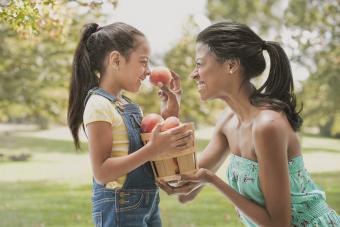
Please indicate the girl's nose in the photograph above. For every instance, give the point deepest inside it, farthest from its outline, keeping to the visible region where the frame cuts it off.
(194, 74)
(147, 71)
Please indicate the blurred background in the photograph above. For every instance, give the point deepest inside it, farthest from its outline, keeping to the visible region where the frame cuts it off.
(45, 182)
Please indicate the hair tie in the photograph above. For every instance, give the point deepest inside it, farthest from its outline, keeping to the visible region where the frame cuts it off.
(264, 45)
(98, 28)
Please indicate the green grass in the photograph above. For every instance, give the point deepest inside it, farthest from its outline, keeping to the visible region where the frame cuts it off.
(31, 144)
(49, 204)
(44, 204)
(32, 203)
(210, 208)
(18, 144)
(320, 144)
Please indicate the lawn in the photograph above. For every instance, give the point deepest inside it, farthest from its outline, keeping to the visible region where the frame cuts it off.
(47, 203)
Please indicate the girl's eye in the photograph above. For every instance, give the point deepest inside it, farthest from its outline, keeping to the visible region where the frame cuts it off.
(198, 64)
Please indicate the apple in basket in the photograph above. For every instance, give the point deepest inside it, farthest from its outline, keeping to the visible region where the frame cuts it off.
(150, 121)
(170, 122)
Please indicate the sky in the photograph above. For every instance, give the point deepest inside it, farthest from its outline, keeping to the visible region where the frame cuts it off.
(160, 20)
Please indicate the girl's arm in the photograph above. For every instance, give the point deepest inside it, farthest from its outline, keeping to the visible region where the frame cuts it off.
(107, 168)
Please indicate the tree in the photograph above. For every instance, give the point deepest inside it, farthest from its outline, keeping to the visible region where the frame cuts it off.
(37, 45)
(317, 33)
(181, 60)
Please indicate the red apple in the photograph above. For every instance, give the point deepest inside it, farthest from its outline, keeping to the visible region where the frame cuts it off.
(150, 121)
(170, 122)
(160, 74)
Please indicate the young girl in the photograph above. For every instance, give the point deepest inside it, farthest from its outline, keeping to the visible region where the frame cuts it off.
(107, 61)
(267, 181)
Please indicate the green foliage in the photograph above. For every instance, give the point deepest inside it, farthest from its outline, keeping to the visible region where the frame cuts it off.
(33, 18)
(181, 59)
(260, 13)
(33, 78)
(317, 33)
(38, 39)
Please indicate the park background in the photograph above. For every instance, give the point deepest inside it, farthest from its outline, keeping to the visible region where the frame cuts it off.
(45, 182)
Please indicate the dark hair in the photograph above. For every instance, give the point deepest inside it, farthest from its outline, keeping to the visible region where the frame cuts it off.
(95, 43)
(228, 40)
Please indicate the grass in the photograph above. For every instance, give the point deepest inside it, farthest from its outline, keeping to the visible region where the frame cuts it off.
(320, 144)
(47, 203)
(44, 204)
(32, 144)
(50, 204)
(18, 144)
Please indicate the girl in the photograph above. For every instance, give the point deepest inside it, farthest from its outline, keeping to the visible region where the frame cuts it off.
(107, 61)
(268, 183)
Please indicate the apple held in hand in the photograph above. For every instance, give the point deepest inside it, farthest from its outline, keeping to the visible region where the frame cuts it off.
(160, 75)
(150, 121)
(170, 122)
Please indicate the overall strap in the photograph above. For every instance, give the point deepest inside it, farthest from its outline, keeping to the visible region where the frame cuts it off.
(99, 91)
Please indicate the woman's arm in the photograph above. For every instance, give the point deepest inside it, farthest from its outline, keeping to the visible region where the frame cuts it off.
(107, 168)
(211, 158)
(271, 149)
(271, 146)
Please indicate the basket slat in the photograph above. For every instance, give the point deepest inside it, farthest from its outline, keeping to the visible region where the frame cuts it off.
(167, 167)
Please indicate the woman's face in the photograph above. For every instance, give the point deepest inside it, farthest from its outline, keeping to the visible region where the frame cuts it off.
(209, 73)
(136, 67)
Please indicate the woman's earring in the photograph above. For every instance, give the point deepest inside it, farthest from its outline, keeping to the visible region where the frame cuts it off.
(231, 72)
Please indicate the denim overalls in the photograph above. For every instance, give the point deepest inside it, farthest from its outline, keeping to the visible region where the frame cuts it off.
(136, 203)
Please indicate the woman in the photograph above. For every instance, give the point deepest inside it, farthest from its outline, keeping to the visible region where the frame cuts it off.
(268, 183)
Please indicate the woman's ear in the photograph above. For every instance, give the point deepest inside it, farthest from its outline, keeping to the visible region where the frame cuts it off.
(232, 65)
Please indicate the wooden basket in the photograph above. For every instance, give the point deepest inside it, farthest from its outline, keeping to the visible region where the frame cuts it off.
(169, 166)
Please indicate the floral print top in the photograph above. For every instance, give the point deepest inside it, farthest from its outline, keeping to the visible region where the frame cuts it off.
(309, 207)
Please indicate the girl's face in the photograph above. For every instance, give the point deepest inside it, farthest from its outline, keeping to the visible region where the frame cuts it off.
(135, 69)
(209, 74)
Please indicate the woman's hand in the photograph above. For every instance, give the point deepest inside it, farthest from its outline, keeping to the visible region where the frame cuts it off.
(171, 97)
(193, 182)
(189, 197)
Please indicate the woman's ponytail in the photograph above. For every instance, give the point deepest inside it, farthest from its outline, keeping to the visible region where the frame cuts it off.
(278, 89)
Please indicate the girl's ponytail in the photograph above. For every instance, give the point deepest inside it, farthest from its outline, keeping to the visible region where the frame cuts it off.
(83, 79)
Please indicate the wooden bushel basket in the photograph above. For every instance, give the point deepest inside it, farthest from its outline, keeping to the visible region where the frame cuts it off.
(168, 167)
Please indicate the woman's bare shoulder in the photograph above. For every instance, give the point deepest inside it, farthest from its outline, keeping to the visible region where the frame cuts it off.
(268, 121)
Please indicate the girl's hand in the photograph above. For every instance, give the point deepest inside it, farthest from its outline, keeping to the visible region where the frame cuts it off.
(171, 97)
(174, 139)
